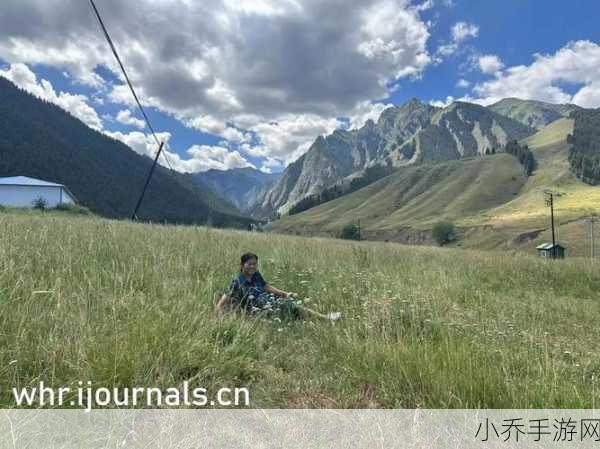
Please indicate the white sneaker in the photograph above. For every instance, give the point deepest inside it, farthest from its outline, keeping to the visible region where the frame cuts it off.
(334, 316)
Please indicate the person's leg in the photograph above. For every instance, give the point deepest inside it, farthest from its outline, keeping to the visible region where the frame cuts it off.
(311, 313)
(332, 316)
(289, 308)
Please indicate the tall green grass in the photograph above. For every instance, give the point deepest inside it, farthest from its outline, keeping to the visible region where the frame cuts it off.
(125, 304)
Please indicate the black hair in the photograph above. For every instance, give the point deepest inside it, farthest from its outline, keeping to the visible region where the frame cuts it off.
(248, 256)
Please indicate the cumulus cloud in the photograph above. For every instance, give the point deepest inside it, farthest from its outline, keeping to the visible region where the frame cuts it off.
(219, 64)
(270, 164)
(143, 143)
(209, 124)
(443, 103)
(463, 30)
(126, 118)
(463, 83)
(201, 157)
(204, 157)
(575, 64)
(366, 111)
(489, 63)
(77, 105)
(289, 137)
(427, 4)
(588, 96)
(460, 32)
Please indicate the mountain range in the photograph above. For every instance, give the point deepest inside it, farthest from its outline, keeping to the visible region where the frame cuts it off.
(495, 200)
(239, 186)
(410, 134)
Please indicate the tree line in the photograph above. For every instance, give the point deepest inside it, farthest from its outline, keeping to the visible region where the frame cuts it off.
(521, 152)
(523, 155)
(584, 155)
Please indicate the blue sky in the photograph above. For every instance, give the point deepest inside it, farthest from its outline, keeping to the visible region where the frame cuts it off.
(255, 82)
(512, 29)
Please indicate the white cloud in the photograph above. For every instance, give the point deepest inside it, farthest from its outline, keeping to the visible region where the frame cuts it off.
(144, 143)
(75, 57)
(290, 136)
(366, 111)
(211, 125)
(204, 157)
(463, 83)
(489, 63)
(575, 64)
(463, 30)
(269, 164)
(234, 135)
(77, 105)
(588, 96)
(443, 103)
(427, 4)
(126, 118)
(388, 31)
(282, 71)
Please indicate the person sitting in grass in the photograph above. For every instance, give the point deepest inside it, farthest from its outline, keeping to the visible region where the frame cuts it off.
(249, 291)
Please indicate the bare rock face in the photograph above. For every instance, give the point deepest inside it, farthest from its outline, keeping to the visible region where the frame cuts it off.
(461, 130)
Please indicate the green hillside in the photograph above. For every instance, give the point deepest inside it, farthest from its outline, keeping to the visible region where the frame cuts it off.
(527, 215)
(553, 173)
(417, 196)
(489, 198)
(422, 327)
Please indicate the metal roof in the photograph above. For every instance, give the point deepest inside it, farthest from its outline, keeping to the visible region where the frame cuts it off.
(547, 246)
(25, 181)
(32, 182)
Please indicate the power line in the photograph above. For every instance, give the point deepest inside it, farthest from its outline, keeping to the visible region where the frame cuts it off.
(137, 100)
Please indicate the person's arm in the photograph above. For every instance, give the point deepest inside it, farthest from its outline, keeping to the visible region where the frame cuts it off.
(224, 303)
(270, 289)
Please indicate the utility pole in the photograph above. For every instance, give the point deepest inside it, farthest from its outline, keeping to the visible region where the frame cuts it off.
(550, 202)
(139, 203)
(592, 252)
(359, 236)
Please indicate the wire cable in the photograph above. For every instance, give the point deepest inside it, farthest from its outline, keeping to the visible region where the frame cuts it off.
(137, 100)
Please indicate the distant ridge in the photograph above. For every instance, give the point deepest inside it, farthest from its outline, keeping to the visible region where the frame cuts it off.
(536, 114)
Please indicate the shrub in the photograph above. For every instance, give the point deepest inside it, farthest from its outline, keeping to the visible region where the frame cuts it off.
(350, 232)
(443, 232)
(40, 203)
(73, 208)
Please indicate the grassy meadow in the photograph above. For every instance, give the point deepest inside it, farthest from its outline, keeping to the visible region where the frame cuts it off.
(123, 304)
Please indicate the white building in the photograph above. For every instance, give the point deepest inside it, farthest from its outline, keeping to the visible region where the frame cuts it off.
(21, 191)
